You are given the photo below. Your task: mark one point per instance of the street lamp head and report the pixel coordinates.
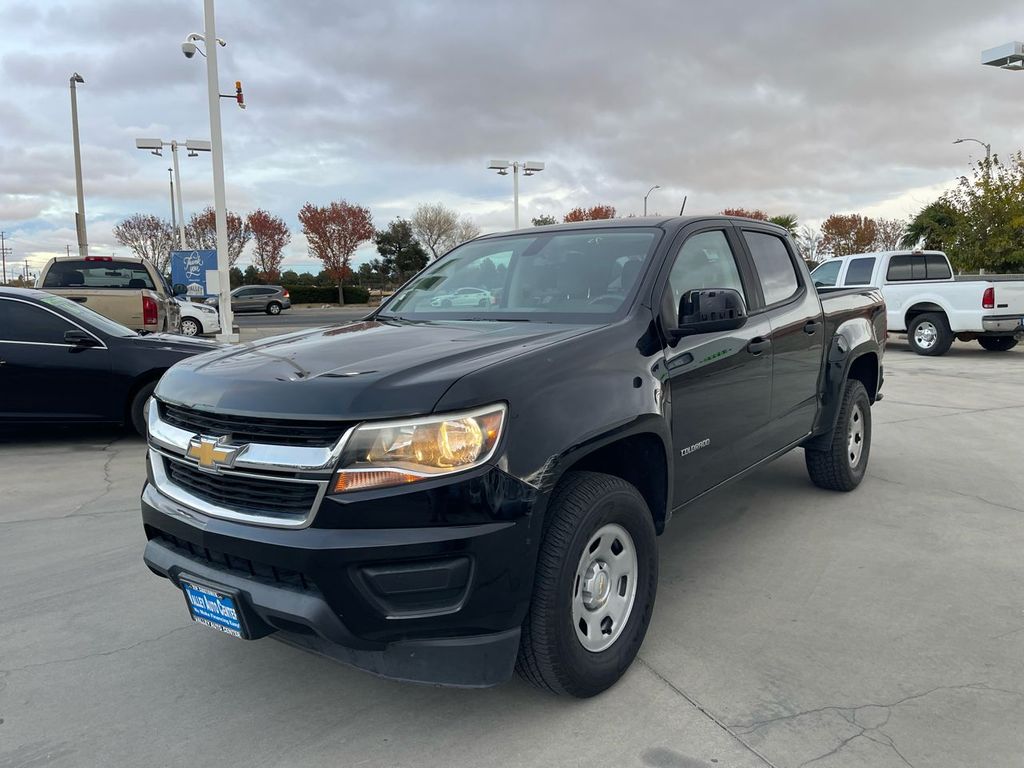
(532, 166)
(197, 145)
(1005, 56)
(499, 165)
(149, 143)
(77, 78)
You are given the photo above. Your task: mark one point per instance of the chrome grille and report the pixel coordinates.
(247, 429)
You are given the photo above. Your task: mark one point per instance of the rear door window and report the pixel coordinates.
(859, 271)
(775, 268)
(129, 275)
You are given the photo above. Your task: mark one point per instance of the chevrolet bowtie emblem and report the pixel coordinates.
(209, 452)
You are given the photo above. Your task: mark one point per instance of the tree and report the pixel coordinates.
(434, 225)
(787, 221)
(890, 233)
(235, 277)
(590, 214)
(544, 220)
(251, 276)
(289, 277)
(201, 233)
(809, 243)
(843, 234)
(149, 237)
(465, 231)
(401, 254)
(333, 233)
(757, 214)
(270, 235)
(989, 229)
(933, 228)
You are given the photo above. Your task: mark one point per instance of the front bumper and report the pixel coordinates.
(441, 603)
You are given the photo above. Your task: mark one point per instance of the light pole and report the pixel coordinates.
(83, 240)
(988, 147)
(529, 168)
(174, 216)
(194, 147)
(189, 48)
(656, 186)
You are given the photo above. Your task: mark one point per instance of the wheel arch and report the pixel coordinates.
(148, 377)
(923, 308)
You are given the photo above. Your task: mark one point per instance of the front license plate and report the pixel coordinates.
(213, 608)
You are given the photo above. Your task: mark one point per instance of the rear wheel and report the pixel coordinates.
(273, 308)
(841, 466)
(597, 576)
(190, 327)
(137, 408)
(929, 334)
(997, 343)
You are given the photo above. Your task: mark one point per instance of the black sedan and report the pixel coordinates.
(61, 362)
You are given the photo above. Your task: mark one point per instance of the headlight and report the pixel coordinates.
(388, 453)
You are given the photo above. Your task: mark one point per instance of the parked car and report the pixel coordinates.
(63, 362)
(926, 302)
(257, 298)
(197, 319)
(463, 297)
(444, 494)
(127, 289)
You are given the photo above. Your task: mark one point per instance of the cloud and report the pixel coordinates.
(802, 107)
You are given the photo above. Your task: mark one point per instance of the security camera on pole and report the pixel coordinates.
(223, 279)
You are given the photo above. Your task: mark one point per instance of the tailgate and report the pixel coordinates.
(121, 306)
(1009, 298)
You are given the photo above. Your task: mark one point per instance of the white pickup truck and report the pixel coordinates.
(926, 302)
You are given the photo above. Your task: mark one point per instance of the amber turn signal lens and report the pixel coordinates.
(372, 478)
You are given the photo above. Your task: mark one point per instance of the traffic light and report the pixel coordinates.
(238, 94)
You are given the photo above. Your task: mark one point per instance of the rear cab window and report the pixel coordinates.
(127, 275)
(930, 266)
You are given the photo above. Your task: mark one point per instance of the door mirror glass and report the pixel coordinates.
(706, 310)
(80, 339)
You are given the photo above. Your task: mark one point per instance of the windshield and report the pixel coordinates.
(572, 276)
(94, 319)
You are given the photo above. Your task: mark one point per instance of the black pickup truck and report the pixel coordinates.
(472, 479)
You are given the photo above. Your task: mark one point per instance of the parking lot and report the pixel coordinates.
(793, 626)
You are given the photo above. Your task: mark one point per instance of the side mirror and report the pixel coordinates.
(180, 289)
(706, 310)
(80, 339)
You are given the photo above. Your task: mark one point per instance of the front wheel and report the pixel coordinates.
(929, 334)
(597, 576)
(997, 343)
(137, 407)
(841, 466)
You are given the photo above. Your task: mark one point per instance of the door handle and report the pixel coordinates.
(757, 345)
(79, 299)
(811, 327)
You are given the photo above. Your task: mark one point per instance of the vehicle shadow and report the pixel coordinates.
(65, 434)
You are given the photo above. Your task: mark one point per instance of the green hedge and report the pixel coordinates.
(311, 294)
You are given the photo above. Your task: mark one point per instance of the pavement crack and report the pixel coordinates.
(961, 494)
(704, 711)
(98, 654)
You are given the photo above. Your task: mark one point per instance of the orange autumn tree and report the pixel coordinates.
(334, 232)
(270, 235)
(590, 214)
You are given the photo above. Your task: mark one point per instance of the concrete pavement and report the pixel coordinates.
(793, 626)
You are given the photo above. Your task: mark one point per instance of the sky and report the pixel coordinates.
(807, 107)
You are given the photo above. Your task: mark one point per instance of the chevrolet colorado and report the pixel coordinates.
(448, 492)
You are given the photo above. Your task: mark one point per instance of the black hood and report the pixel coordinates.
(172, 342)
(361, 370)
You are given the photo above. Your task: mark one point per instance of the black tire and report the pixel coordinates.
(191, 327)
(933, 322)
(137, 408)
(550, 654)
(274, 308)
(997, 343)
(482, 303)
(833, 468)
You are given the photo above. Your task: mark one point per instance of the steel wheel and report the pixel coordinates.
(926, 334)
(855, 436)
(190, 327)
(604, 588)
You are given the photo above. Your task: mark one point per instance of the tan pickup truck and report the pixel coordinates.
(127, 289)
